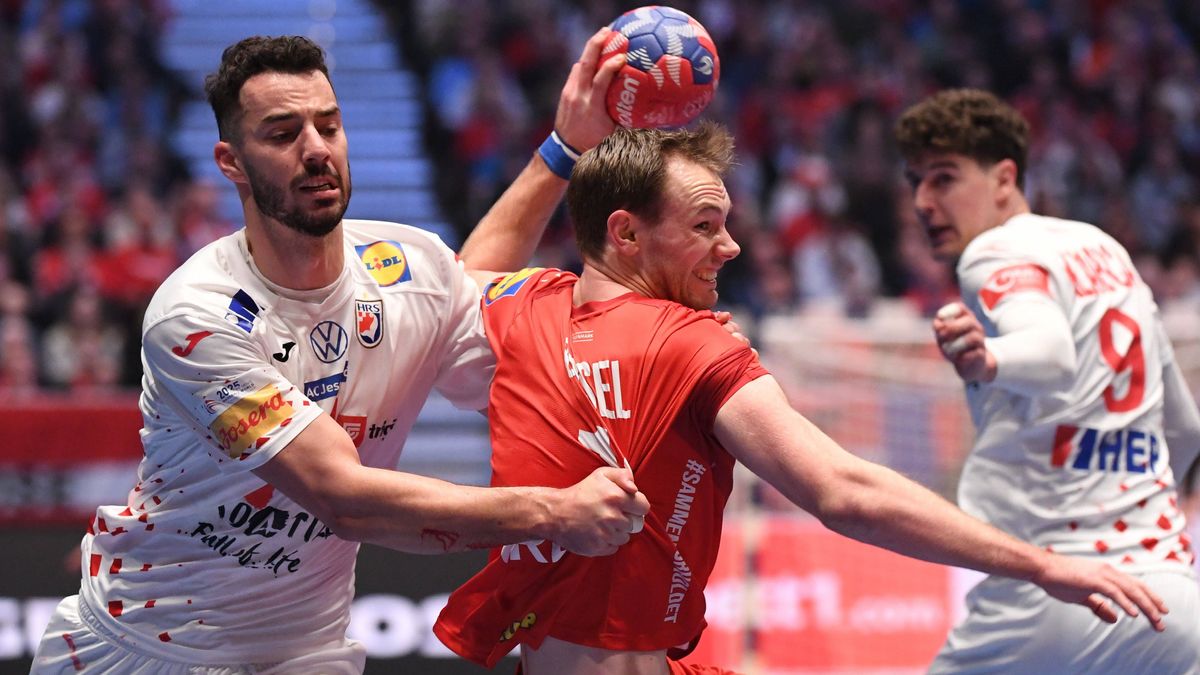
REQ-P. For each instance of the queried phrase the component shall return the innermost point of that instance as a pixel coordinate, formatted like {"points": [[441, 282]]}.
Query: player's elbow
{"points": [[340, 509], [846, 505]]}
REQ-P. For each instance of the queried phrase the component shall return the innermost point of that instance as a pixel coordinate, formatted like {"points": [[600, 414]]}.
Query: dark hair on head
{"points": [[628, 170], [969, 122], [249, 57]]}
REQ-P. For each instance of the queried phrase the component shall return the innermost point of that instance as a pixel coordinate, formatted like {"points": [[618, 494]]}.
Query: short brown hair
{"points": [[628, 170], [969, 122], [293, 54]]}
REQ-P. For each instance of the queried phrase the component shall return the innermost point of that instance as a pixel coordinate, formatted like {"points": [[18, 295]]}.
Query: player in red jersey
{"points": [[624, 365]]}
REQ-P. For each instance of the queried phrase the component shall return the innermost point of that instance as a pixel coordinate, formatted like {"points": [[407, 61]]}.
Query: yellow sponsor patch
{"points": [[509, 285], [527, 622], [385, 262], [247, 421]]}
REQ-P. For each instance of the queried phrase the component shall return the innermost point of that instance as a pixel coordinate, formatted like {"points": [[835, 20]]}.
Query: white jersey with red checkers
{"points": [[207, 564], [1081, 469]]}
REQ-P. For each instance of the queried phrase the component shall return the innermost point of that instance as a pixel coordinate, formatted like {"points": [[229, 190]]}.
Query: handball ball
{"points": [[671, 68]]}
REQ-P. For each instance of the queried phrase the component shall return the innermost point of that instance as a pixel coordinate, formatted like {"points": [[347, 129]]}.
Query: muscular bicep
{"points": [[316, 468], [759, 428]]}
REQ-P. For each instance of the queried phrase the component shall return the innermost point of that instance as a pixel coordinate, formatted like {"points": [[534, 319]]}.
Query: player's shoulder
{"points": [[526, 282], [207, 283], [669, 317], [1032, 235], [398, 255], [358, 232]]}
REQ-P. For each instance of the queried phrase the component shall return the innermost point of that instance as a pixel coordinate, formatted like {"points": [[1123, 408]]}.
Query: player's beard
{"points": [[272, 202]]}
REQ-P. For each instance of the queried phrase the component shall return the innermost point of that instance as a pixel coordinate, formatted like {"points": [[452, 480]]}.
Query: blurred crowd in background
{"points": [[96, 209]]}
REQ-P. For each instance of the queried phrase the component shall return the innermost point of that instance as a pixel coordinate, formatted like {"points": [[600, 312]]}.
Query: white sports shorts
{"points": [[1015, 627], [71, 645]]}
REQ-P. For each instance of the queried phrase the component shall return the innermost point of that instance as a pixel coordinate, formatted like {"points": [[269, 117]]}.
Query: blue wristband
{"points": [[559, 156]]}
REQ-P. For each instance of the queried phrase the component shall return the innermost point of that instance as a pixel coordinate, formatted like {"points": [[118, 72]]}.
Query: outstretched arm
{"points": [[878, 506], [320, 470], [504, 240]]}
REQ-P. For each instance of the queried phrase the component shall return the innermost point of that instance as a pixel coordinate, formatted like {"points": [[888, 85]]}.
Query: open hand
{"points": [[582, 120], [1094, 584]]}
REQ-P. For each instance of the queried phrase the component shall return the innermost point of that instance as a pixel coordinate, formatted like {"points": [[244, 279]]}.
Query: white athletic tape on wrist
{"points": [[950, 311], [953, 347], [636, 523]]}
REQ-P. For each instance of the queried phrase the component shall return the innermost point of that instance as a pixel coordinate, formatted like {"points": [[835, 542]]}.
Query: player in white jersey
{"points": [[284, 367], [1083, 418]]}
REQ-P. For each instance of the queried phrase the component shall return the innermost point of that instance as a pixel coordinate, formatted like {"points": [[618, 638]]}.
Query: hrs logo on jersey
{"points": [[328, 341], [385, 262], [368, 318], [509, 285], [1114, 450]]}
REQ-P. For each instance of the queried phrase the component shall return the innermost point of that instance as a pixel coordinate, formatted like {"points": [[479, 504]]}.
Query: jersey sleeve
{"points": [[507, 296], [720, 364], [1020, 302], [214, 376], [467, 363], [996, 273]]}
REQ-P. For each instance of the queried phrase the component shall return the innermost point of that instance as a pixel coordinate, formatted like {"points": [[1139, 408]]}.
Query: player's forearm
{"points": [[504, 240], [878, 506], [425, 515]]}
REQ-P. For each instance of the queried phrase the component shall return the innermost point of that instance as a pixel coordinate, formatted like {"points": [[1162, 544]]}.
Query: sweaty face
{"points": [[293, 151], [682, 253], [956, 200]]}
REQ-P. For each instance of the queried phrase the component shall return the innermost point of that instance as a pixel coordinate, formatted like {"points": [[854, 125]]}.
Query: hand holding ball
{"points": [[671, 68]]}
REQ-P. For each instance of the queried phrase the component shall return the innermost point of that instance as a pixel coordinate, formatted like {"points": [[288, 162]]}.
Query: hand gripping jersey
{"points": [[1081, 469], [577, 388], [207, 564]]}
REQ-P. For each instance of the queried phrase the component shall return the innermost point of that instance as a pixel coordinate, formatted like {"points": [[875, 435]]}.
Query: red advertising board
{"points": [[798, 598]]}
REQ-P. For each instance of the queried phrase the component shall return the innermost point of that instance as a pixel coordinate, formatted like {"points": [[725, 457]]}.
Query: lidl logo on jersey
{"points": [[242, 311], [368, 318], [326, 387], [1115, 450], [249, 419], [385, 262], [509, 285], [329, 341]]}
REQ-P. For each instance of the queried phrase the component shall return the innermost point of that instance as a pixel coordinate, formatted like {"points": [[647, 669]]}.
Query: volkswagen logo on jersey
{"points": [[329, 341], [385, 262], [368, 318]]}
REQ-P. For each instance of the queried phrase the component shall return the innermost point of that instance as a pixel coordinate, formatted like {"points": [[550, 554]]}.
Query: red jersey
{"points": [[628, 380]]}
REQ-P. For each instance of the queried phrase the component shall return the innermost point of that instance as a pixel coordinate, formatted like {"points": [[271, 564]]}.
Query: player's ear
{"points": [[228, 162], [622, 231], [1005, 174]]}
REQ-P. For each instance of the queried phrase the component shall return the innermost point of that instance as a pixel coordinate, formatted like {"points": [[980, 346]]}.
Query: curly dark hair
{"points": [[250, 57], [969, 122], [628, 170]]}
